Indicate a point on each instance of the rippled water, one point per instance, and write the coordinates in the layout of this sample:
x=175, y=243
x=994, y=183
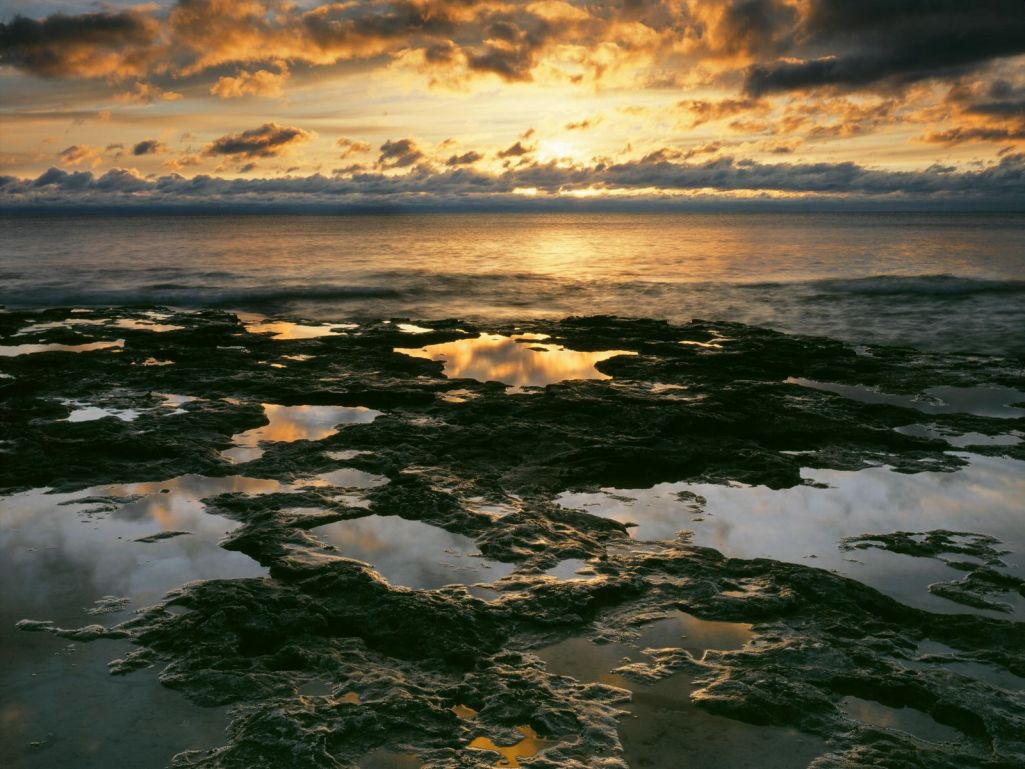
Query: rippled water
x=938, y=281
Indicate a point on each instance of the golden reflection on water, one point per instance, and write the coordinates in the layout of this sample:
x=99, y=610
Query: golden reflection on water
x=286, y=424
x=519, y=361
x=146, y=325
x=697, y=635
x=280, y=329
x=12, y=350
x=511, y=754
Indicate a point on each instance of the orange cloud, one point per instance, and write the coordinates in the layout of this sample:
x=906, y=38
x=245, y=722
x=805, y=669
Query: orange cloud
x=261, y=82
x=77, y=155
x=269, y=140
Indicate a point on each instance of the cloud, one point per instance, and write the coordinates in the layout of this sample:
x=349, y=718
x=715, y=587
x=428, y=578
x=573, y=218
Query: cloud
x=261, y=82
x=146, y=93
x=182, y=162
x=148, y=147
x=350, y=147
x=652, y=178
x=703, y=111
x=583, y=125
x=78, y=154
x=519, y=149
x=853, y=45
x=88, y=45
x=466, y=159
x=960, y=135
x=774, y=46
x=269, y=140
x=399, y=154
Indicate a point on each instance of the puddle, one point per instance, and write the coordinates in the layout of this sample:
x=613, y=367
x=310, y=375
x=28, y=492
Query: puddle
x=91, y=413
x=662, y=724
x=960, y=440
x=63, y=557
x=530, y=745
x=457, y=396
x=934, y=655
x=697, y=636
x=412, y=553
x=286, y=424
x=909, y=720
x=10, y=351
x=517, y=361
x=282, y=330
x=146, y=325
x=175, y=402
x=346, y=477
x=344, y=455
x=803, y=524
x=383, y=758
x=987, y=401
x=49, y=325
x=116, y=721
x=410, y=328
x=509, y=755
x=81, y=412
x=569, y=570
x=703, y=345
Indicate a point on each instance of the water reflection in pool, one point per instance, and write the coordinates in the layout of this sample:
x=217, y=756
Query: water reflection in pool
x=60, y=554
x=412, y=553
x=518, y=361
x=983, y=401
x=13, y=350
x=663, y=726
x=906, y=719
x=803, y=524
x=510, y=755
x=295, y=423
x=282, y=329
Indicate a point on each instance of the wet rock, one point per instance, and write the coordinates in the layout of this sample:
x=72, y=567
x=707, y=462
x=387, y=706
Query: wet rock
x=400, y=663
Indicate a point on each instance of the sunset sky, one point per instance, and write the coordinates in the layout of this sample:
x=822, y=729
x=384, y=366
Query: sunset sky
x=250, y=102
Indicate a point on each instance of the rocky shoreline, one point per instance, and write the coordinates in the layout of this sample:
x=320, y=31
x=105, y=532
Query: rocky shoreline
x=325, y=662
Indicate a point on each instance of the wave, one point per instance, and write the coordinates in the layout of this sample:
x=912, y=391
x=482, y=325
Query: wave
x=920, y=285
x=185, y=295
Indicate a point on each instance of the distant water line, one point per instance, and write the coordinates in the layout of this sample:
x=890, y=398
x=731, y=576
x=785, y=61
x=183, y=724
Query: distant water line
x=933, y=281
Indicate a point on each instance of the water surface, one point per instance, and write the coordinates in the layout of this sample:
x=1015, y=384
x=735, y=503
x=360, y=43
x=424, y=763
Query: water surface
x=936, y=281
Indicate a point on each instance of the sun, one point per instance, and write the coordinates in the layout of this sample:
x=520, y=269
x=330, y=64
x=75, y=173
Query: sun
x=560, y=149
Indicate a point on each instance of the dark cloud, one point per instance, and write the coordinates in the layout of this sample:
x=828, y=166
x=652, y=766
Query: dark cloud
x=756, y=26
x=76, y=154
x=467, y=158
x=1001, y=181
x=961, y=134
x=583, y=125
x=148, y=147
x=785, y=45
x=90, y=45
x=350, y=147
x=1006, y=108
x=856, y=44
x=266, y=141
x=399, y=154
x=519, y=149
x=703, y=110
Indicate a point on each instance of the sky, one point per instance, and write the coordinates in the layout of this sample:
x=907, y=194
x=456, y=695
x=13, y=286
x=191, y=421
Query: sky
x=502, y=102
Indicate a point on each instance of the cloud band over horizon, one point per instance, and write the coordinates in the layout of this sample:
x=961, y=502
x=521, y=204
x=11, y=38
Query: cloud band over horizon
x=657, y=98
